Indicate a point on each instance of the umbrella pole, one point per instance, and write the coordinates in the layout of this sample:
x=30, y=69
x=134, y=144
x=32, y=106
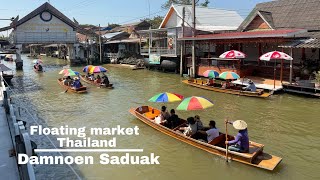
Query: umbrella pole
x=226, y=124
x=281, y=75
x=274, y=75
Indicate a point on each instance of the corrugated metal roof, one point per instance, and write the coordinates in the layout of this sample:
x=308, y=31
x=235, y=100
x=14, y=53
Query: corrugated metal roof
x=208, y=17
x=111, y=35
x=302, y=43
x=211, y=16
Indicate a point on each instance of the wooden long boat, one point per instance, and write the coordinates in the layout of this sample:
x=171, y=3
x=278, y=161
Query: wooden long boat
x=255, y=157
x=82, y=89
x=199, y=83
x=83, y=77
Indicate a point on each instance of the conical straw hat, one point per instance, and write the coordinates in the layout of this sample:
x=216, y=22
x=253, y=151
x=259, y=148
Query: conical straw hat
x=240, y=125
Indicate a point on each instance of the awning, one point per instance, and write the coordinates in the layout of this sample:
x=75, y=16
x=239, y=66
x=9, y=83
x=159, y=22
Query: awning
x=302, y=43
x=4, y=68
x=126, y=41
x=54, y=45
x=224, y=59
x=283, y=33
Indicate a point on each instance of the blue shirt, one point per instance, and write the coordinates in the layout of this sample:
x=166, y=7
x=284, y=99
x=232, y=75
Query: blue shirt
x=252, y=87
x=242, y=139
x=76, y=84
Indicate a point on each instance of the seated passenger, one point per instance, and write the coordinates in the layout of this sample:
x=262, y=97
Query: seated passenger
x=164, y=113
x=241, y=141
x=210, y=82
x=198, y=122
x=191, y=129
x=76, y=84
x=68, y=81
x=251, y=87
x=92, y=78
x=88, y=75
x=105, y=81
x=98, y=80
x=210, y=134
x=173, y=120
x=39, y=67
x=226, y=84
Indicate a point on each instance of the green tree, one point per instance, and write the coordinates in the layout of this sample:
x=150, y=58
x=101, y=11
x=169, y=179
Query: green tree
x=113, y=25
x=205, y=3
x=167, y=4
x=155, y=21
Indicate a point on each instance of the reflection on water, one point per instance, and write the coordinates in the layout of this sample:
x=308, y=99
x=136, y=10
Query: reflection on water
x=287, y=125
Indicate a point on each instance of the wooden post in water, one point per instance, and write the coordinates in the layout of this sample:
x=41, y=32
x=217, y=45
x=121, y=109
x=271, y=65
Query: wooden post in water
x=100, y=46
x=182, y=42
x=291, y=64
x=226, y=124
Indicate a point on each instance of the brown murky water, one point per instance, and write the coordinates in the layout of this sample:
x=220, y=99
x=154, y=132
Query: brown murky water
x=287, y=125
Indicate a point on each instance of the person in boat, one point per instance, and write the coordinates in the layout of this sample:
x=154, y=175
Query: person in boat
x=191, y=129
x=210, y=82
x=92, y=78
x=198, y=122
x=40, y=67
x=251, y=87
x=241, y=141
x=173, y=120
x=105, y=81
x=68, y=81
x=164, y=113
x=88, y=75
x=76, y=83
x=35, y=66
x=226, y=84
x=210, y=134
x=98, y=80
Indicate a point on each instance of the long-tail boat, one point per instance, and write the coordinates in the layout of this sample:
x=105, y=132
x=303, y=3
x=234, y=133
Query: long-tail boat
x=82, y=89
x=85, y=79
x=255, y=157
x=199, y=83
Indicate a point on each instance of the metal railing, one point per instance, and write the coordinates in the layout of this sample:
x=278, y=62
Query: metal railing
x=158, y=50
x=22, y=141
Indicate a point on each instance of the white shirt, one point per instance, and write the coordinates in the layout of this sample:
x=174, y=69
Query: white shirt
x=212, y=133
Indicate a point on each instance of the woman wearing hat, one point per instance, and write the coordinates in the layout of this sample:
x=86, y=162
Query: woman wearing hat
x=251, y=87
x=241, y=141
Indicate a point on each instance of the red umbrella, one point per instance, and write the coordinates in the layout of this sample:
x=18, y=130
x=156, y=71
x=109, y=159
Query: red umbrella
x=276, y=55
x=233, y=54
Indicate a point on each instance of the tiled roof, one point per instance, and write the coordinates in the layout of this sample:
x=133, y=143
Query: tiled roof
x=302, y=14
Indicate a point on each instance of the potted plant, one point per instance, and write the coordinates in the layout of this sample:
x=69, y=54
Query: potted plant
x=317, y=80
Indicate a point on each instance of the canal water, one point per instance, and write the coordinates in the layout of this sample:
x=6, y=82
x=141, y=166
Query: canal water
x=287, y=125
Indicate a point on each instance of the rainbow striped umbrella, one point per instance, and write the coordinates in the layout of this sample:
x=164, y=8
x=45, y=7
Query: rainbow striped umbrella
x=64, y=71
x=229, y=75
x=97, y=69
x=87, y=68
x=194, y=103
x=72, y=73
x=166, y=97
x=211, y=74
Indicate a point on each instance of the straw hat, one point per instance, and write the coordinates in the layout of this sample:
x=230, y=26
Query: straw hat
x=76, y=78
x=240, y=125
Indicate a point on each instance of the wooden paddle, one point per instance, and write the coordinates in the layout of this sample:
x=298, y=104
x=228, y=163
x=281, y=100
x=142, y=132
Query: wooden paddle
x=67, y=90
x=226, y=124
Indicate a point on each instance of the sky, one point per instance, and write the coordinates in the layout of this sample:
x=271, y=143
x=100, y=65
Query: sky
x=109, y=11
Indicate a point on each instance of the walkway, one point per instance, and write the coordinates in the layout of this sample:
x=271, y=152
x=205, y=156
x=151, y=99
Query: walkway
x=8, y=165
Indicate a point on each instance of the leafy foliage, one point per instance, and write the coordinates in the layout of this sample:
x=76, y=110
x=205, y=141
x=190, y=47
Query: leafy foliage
x=155, y=21
x=167, y=4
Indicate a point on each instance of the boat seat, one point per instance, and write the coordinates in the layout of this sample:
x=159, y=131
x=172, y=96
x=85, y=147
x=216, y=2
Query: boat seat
x=217, y=140
x=254, y=150
x=151, y=115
